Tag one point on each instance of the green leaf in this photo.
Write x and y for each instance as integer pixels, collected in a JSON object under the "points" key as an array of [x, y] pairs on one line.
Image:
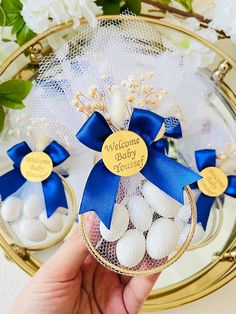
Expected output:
{"points": [[18, 25], [15, 90], [110, 8], [2, 118], [24, 35], [3, 16], [12, 104], [11, 5], [11, 9], [187, 4], [134, 6]]}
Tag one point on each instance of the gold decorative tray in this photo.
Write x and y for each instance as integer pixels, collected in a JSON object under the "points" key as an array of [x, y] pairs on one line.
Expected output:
{"points": [[218, 258]]}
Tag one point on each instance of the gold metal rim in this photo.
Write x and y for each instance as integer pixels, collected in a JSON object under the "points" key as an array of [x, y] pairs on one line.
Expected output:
{"points": [[173, 259], [216, 231], [57, 28], [215, 275]]}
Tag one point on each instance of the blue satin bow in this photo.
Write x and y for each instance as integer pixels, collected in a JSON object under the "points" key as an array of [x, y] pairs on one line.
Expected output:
{"points": [[102, 185], [53, 189], [207, 158]]}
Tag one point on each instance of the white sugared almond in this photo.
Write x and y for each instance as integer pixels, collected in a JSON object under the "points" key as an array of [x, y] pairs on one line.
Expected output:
{"points": [[197, 237], [185, 213], [54, 223], [11, 208], [140, 213], [179, 223], [162, 203], [119, 224], [162, 238], [33, 206], [130, 249], [33, 230]]}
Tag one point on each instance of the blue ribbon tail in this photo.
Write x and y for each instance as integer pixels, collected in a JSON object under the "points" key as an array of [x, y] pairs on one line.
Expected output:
{"points": [[204, 204], [54, 194], [231, 188], [57, 153], [145, 123], [168, 175], [94, 131], [205, 158], [11, 182], [100, 193]]}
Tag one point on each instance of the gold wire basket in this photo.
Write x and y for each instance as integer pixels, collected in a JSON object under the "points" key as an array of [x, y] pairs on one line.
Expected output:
{"points": [[160, 265]]}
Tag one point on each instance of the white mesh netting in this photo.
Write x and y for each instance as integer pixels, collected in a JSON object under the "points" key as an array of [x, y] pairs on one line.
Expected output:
{"points": [[116, 50]]}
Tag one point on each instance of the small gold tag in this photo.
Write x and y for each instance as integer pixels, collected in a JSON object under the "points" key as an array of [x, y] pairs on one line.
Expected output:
{"points": [[214, 181], [124, 153], [36, 166]]}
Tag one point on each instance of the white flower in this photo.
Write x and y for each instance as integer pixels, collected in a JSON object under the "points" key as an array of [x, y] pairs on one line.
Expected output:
{"points": [[224, 17], [83, 8], [198, 54], [43, 14], [204, 7], [5, 32], [6, 49]]}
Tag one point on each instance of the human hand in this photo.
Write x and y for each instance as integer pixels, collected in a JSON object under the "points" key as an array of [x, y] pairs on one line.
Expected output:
{"points": [[73, 282]]}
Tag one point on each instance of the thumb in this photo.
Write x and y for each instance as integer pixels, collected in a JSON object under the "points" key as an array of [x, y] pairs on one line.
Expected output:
{"points": [[66, 262]]}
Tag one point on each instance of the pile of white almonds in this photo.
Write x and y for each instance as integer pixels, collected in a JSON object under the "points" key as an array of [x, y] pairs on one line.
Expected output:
{"points": [[30, 217], [152, 223]]}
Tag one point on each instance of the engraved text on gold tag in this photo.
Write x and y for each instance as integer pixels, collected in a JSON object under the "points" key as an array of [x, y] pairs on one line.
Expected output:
{"points": [[124, 153], [214, 181], [36, 166]]}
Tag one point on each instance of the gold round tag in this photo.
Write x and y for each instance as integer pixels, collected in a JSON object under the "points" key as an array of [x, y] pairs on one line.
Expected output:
{"points": [[124, 153], [36, 166], [214, 181]]}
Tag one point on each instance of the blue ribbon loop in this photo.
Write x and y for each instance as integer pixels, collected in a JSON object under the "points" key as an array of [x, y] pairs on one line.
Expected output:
{"points": [[207, 158], [162, 145], [101, 187], [53, 189], [174, 132]]}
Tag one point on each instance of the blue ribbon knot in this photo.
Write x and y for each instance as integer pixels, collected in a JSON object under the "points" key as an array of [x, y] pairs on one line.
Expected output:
{"points": [[102, 185], [53, 189], [207, 158]]}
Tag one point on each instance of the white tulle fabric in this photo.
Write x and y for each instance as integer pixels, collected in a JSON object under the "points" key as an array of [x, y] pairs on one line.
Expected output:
{"points": [[115, 49]]}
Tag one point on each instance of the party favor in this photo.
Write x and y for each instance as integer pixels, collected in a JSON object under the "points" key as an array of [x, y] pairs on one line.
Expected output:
{"points": [[38, 205], [215, 183]]}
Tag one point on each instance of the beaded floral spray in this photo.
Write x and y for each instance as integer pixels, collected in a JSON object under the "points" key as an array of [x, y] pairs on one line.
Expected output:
{"points": [[123, 98]]}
